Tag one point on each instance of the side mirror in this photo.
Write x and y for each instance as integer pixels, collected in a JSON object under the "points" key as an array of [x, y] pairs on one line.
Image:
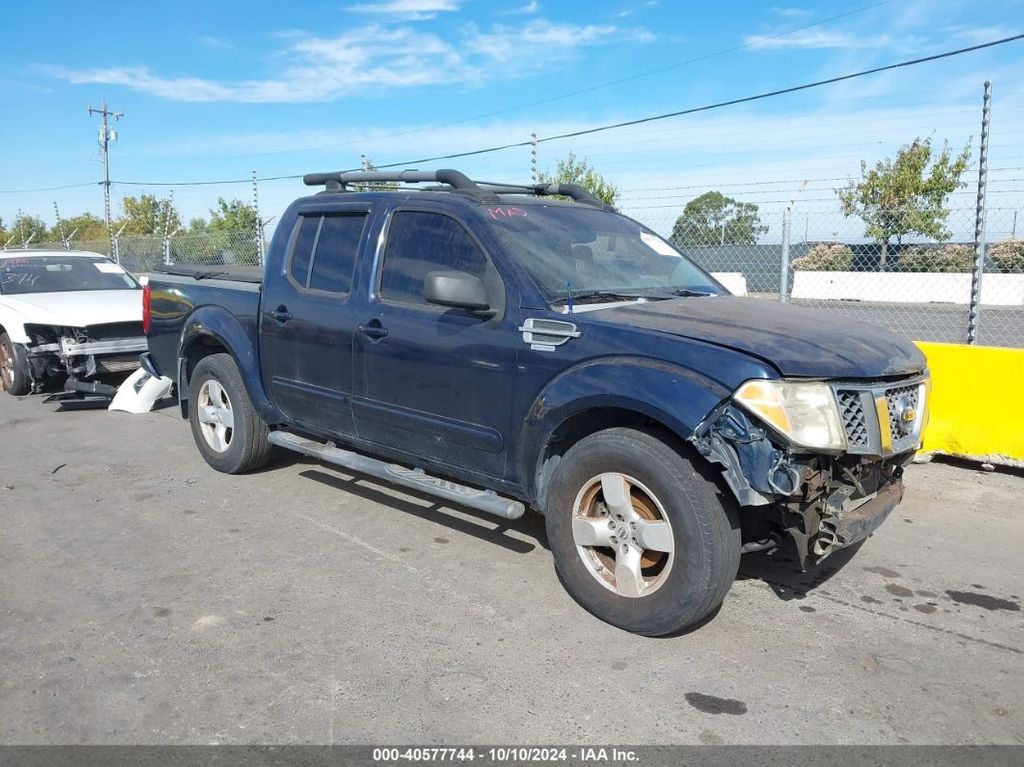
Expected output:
{"points": [[456, 289]]}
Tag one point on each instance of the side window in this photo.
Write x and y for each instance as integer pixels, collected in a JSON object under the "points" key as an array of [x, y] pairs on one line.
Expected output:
{"points": [[302, 253], [420, 243], [335, 256]]}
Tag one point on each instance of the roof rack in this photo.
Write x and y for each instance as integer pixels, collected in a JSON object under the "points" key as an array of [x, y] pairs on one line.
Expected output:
{"points": [[454, 181]]}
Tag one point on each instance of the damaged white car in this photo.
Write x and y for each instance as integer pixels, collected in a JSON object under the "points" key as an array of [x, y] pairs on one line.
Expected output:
{"points": [[67, 319]]}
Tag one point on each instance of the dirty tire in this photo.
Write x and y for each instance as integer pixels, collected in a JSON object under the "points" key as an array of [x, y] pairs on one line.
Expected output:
{"points": [[705, 531], [247, 447], [14, 372]]}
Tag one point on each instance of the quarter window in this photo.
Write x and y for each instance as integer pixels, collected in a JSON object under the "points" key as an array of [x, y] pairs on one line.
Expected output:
{"points": [[420, 243], [335, 256], [302, 254], [325, 250]]}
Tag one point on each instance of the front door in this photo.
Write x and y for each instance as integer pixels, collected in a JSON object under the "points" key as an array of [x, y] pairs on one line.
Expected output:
{"points": [[431, 381], [307, 322]]}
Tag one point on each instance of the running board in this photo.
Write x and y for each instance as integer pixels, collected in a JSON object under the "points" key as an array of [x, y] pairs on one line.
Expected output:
{"points": [[416, 479]]}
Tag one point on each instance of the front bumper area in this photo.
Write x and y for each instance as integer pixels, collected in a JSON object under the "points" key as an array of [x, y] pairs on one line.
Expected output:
{"points": [[825, 502], [848, 520]]}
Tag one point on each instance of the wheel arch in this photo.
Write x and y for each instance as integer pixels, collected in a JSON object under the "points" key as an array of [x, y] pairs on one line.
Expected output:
{"points": [[656, 396], [209, 331]]}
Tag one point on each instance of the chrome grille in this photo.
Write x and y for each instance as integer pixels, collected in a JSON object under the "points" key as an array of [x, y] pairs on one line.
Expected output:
{"points": [[860, 414], [852, 411], [898, 401]]}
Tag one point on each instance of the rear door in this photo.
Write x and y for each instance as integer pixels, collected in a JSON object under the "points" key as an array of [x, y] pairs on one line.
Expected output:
{"points": [[431, 381], [307, 323]]}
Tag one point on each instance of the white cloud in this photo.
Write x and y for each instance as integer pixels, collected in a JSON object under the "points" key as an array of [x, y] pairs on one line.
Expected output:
{"points": [[979, 34], [545, 39], [212, 41], [406, 10], [816, 38], [524, 10], [374, 56], [790, 13]]}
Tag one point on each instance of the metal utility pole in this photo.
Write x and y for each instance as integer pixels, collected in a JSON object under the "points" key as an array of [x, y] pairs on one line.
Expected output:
{"points": [[106, 135], [256, 209], [787, 218], [973, 314], [60, 227], [533, 158]]}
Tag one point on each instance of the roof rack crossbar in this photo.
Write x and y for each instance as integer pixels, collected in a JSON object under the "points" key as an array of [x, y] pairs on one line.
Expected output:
{"points": [[484, 191], [572, 191], [337, 180]]}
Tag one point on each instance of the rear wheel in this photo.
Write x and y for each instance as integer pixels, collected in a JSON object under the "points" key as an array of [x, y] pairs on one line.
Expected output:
{"points": [[14, 373], [642, 537], [228, 431]]}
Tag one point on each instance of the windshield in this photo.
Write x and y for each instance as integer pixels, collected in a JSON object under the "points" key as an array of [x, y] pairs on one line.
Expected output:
{"points": [[597, 254], [60, 274]]}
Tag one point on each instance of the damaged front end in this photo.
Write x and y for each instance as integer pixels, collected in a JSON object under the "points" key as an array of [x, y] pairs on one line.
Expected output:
{"points": [[826, 497], [86, 361]]}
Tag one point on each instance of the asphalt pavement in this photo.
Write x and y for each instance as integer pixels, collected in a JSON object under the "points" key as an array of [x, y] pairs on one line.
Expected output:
{"points": [[147, 599]]}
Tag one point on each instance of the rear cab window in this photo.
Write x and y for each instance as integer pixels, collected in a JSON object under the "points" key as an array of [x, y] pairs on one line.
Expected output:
{"points": [[323, 257]]}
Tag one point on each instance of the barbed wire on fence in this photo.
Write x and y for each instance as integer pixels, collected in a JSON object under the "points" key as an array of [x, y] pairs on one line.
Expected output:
{"points": [[919, 287]]}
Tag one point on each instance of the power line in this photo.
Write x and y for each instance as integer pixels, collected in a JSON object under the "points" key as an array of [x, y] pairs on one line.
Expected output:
{"points": [[719, 104], [626, 123], [50, 188]]}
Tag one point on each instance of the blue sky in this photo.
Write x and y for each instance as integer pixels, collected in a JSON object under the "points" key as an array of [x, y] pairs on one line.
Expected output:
{"points": [[216, 90]]}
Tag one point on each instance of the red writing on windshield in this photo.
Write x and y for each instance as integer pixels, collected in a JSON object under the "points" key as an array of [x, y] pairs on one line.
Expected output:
{"points": [[496, 213]]}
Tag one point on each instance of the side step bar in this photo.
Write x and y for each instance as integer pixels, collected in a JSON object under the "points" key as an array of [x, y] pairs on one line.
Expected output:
{"points": [[416, 479]]}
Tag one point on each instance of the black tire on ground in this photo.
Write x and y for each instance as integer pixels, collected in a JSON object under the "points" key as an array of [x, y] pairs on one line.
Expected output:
{"points": [[14, 373], [246, 446], [705, 532]]}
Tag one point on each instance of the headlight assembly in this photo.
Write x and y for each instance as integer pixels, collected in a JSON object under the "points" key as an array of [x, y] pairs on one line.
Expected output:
{"points": [[804, 412]]}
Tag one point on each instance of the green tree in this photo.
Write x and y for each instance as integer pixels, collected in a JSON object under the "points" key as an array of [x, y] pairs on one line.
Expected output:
{"points": [[27, 228], [906, 195], [573, 170], [714, 219], [228, 236], [148, 214], [84, 227], [233, 215]]}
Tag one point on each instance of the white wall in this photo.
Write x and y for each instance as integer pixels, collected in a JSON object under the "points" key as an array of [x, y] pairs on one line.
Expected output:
{"points": [[908, 287]]}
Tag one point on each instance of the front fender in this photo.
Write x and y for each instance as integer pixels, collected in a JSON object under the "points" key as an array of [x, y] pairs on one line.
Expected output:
{"points": [[671, 394], [239, 340], [13, 324]]}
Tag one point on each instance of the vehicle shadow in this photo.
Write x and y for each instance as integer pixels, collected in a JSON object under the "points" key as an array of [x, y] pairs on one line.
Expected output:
{"points": [[780, 569], [490, 528]]}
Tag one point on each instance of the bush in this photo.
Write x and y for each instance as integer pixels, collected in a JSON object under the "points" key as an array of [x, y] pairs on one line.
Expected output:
{"points": [[1008, 255], [826, 257], [947, 258]]}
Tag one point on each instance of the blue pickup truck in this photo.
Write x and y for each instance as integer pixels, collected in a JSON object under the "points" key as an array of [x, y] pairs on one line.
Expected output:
{"points": [[508, 347]]}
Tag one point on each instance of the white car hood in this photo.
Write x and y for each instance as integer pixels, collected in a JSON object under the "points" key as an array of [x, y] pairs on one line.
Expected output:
{"points": [[77, 309]]}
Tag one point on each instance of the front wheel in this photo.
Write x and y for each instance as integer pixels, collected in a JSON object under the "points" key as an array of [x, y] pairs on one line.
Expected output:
{"points": [[14, 373], [642, 535], [228, 431]]}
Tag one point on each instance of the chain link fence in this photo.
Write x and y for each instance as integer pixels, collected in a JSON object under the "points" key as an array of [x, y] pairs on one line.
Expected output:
{"points": [[141, 253], [924, 288]]}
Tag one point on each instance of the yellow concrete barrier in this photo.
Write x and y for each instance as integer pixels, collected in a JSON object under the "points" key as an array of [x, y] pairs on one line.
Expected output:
{"points": [[977, 406]]}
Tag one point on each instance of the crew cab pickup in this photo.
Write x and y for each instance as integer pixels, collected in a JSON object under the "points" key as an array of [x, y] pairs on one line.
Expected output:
{"points": [[510, 347]]}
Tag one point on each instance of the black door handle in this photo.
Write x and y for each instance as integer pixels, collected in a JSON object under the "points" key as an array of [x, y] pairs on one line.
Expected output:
{"points": [[373, 329], [281, 314]]}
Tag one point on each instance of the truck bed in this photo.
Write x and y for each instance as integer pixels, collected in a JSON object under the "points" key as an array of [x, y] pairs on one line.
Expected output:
{"points": [[224, 300]]}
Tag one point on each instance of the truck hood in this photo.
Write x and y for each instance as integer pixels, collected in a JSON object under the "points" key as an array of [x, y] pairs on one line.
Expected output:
{"points": [[77, 309], [797, 342]]}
